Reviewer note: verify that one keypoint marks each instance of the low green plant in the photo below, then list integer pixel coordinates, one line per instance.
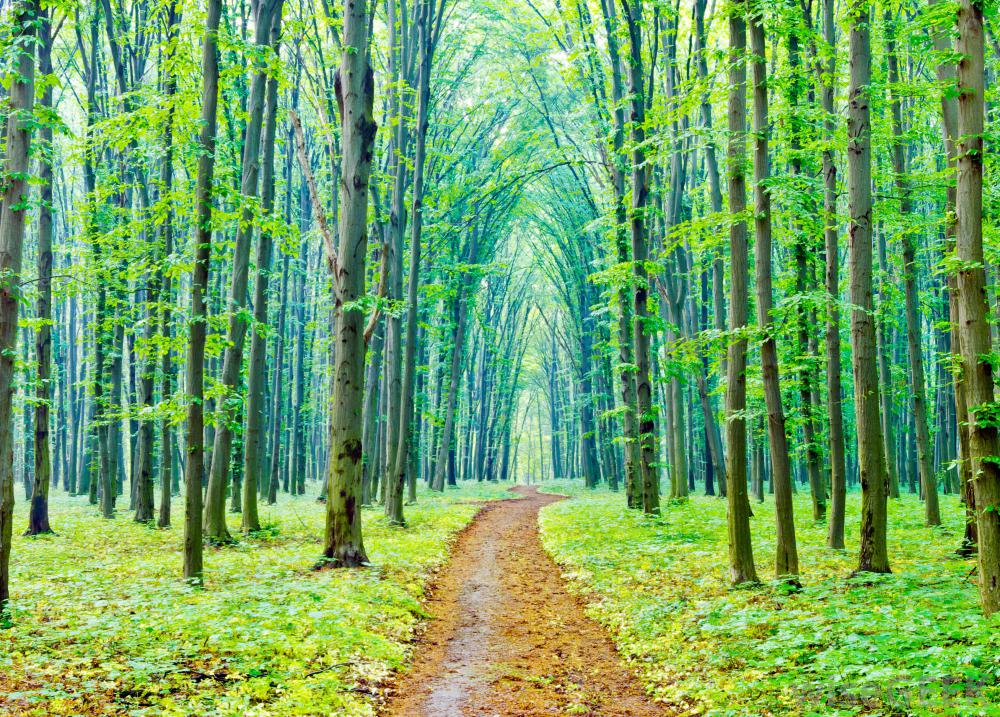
(103, 625)
(910, 643)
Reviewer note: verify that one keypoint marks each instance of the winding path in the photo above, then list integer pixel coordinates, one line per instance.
(507, 639)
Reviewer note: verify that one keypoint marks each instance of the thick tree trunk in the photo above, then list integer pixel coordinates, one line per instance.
(871, 460)
(972, 306)
(13, 210)
(355, 94)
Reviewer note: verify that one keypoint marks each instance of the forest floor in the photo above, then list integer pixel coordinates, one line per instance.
(910, 643)
(507, 638)
(103, 625)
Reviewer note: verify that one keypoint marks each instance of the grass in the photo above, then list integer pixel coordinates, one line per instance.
(104, 626)
(910, 643)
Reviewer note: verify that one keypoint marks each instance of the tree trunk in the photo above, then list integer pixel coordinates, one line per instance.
(838, 468)
(355, 95)
(226, 418)
(741, 564)
(195, 440)
(787, 557)
(13, 210)
(167, 378)
(874, 481)
(972, 307)
(648, 472)
(253, 439)
(38, 518)
(925, 458)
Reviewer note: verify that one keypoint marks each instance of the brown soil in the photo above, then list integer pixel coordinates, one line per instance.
(507, 638)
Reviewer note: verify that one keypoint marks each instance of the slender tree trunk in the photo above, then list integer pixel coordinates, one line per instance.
(874, 555)
(400, 452)
(195, 440)
(741, 564)
(925, 458)
(253, 439)
(787, 556)
(947, 76)
(167, 378)
(38, 518)
(648, 471)
(626, 345)
(838, 468)
(227, 421)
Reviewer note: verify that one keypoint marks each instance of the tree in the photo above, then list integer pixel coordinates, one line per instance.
(226, 421)
(195, 446)
(874, 555)
(976, 342)
(38, 517)
(741, 564)
(355, 97)
(787, 559)
(638, 98)
(14, 207)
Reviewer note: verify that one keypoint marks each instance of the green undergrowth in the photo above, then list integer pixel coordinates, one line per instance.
(104, 626)
(910, 643)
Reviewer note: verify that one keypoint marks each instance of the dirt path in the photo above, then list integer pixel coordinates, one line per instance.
(507, 639)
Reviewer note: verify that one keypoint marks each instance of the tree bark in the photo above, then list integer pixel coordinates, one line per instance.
(741, 563)
(355, 95)
(838, 467)
(871, 460)
(195, 440)
(38, 518)
(787, 556)
(648, 471)
(973, 309)
(925, 456)
(13, 212)
(253, 439)
(226, 421)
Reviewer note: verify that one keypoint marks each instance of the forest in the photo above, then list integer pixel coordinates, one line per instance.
(426, 358)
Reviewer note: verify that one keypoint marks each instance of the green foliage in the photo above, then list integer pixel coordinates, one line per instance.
(910, 643)
(105, 626)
